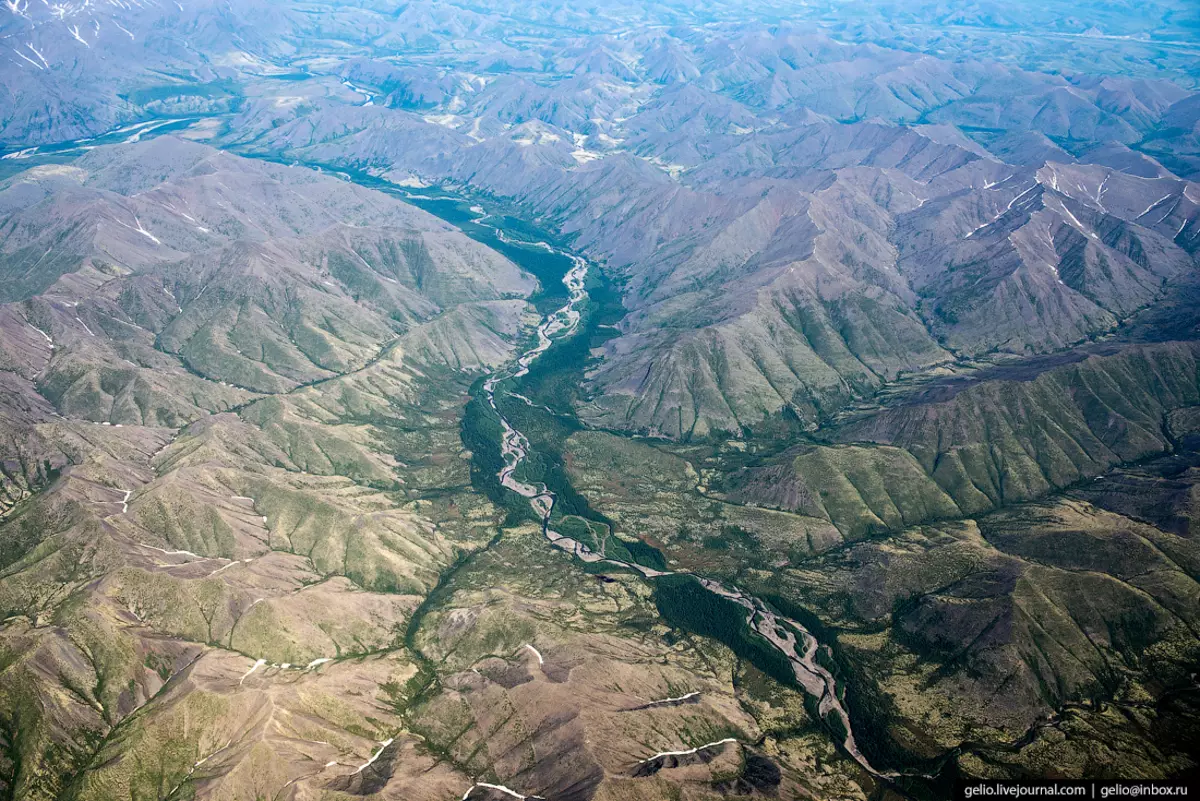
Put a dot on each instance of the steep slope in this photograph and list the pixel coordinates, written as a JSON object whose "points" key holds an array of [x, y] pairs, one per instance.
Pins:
{"points": [[162, 520], [817, 237]]}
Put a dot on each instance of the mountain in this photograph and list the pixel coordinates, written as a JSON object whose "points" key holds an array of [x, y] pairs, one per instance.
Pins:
{"points": [[164, 373], [596, 400], [1011, 267]]}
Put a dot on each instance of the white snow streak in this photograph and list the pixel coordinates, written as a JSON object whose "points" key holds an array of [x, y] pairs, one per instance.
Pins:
{"points": [[686, 697], [382, 747], [144, 232], [256, 666], [1170, 211], [38, 53], [1013, 202], [1100, 192], [994, 184], [173, 553], [689, 751], [1151, 207], [43, 333], [498, 788], [1075, 221], [31, 61]]}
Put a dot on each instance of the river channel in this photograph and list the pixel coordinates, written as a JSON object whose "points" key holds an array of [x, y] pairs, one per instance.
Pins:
{"points": [[785, 635], [558, 326]]}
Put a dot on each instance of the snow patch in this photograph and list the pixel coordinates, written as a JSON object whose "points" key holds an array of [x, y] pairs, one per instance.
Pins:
{"points": [[689, 751], [28, 152], [500, 788], [74, 31], [255, 667], [685, 697], [1151, 207], [173, 553], [44, 334], [39, 55], [382, 747]]}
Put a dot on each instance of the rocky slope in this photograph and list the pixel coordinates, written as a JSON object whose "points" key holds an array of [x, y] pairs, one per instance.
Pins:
{"points": [[196, 394]]}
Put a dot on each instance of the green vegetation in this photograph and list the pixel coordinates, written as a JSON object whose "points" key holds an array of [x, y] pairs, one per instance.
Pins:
{"points": [[684, 602]]}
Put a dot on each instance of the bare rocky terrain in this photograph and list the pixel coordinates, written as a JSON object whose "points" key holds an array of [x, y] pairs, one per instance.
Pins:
{"points": [[596, 401]]}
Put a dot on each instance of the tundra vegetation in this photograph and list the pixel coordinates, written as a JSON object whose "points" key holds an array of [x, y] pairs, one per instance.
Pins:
{"points": [[891, 320]]}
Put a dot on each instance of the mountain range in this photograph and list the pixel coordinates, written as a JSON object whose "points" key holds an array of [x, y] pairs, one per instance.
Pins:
{"points": [[888, 323]]}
